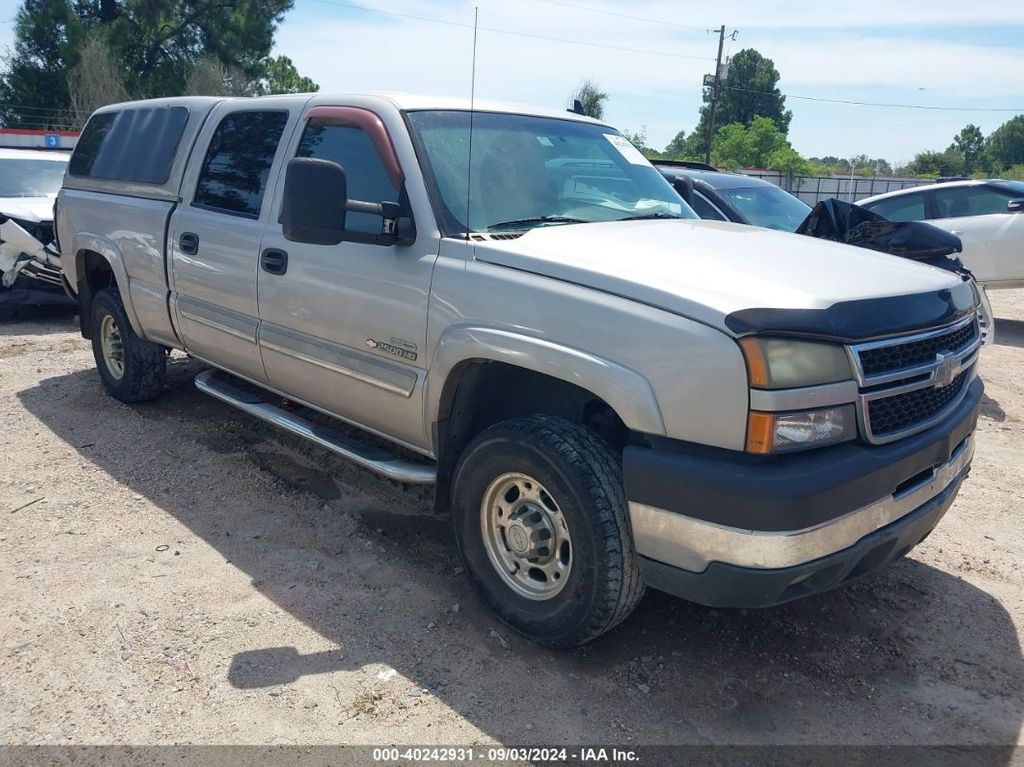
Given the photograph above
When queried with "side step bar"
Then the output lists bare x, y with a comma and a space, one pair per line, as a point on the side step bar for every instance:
252, 400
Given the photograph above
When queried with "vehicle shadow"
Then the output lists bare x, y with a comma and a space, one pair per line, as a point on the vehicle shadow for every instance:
912, 655
37, 320
1009, 333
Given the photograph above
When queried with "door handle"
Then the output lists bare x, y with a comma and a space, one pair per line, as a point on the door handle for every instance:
274, 261
188, 243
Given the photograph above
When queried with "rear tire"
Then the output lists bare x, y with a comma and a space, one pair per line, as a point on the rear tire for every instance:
132, 370
541, 522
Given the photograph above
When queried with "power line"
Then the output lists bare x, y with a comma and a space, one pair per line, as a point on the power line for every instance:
876, 103
44, 110
512, 32
659, 22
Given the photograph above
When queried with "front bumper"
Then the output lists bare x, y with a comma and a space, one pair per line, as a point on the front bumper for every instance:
732, 530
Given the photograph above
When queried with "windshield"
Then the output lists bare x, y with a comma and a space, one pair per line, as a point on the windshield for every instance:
1015, 187
537, 171
31, 178
767, 206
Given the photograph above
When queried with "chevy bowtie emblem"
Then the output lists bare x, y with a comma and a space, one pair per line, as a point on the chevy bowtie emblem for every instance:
946, 369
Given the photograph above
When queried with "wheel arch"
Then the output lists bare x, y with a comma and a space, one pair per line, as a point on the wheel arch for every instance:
480, 376
98, 264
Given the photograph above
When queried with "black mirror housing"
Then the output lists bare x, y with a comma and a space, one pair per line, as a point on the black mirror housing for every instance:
684, 188
315, 197
1015, 206
316, 201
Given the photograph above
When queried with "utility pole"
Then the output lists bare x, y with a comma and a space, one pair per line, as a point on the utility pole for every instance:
715, 89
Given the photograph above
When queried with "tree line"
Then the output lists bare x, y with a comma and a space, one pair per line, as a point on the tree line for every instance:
71, 56
755, 124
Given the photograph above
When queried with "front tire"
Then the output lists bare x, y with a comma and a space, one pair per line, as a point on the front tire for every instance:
132, 370
541, 522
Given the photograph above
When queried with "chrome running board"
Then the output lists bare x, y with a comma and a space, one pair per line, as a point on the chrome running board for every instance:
255, 401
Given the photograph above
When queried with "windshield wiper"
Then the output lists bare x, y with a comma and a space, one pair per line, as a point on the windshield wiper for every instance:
538, 220
645, 216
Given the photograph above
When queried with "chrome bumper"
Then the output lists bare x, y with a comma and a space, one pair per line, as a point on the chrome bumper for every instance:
692, 544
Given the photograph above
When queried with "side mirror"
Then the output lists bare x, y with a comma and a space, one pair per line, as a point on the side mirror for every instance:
316, 201
315, 194
684, 188
1015, 206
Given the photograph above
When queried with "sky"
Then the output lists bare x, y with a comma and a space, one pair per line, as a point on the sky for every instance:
966, 57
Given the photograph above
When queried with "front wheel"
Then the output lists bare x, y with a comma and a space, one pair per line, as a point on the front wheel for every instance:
541, 523
132, 370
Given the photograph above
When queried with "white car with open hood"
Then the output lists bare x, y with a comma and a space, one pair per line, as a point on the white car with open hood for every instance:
986, 214
606, 392
29, 264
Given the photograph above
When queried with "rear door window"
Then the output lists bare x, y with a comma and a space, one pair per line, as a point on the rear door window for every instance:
134, 145
956, 201
905, 207
234, 173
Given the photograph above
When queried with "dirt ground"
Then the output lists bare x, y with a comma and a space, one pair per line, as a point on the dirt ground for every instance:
177, 572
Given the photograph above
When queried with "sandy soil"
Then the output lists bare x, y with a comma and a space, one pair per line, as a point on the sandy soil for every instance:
178, 572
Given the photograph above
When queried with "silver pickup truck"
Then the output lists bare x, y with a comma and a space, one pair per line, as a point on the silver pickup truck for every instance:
606, 392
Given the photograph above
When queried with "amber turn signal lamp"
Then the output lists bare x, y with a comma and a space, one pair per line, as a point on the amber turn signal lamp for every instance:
760, 432
757, 365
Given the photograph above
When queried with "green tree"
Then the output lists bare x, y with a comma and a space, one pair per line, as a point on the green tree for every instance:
1005, 145
969, 143
593, 99
683, 147
48, 36
861, 163
678, 147
788, 161
739, 146
749, 89
155, 43
282, 77
948, 163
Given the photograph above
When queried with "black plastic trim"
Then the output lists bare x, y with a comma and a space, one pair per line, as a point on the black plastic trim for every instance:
788, 492
851, 321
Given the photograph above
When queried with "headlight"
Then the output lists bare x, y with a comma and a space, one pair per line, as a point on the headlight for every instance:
781, 432
783, 363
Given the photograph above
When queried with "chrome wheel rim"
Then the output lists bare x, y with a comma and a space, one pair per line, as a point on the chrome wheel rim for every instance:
112, 347
526, 537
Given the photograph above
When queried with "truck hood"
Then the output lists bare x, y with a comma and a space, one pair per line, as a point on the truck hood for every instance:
34, 209
707, 270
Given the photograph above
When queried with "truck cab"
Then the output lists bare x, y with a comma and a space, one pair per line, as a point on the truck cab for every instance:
606, 392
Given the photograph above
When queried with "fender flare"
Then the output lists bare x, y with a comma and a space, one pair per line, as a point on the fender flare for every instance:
108, 250
627, 392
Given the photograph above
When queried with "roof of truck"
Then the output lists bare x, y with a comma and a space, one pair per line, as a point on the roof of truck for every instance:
403, 101
413, 101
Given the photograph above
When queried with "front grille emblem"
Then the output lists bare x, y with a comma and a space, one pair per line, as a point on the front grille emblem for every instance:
946, 369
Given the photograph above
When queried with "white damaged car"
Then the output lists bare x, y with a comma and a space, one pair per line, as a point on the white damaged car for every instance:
30, 271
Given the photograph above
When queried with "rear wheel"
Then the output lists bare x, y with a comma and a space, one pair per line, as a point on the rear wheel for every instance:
132, 370
541, 522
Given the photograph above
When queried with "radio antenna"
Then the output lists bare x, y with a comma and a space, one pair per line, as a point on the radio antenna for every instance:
472, 104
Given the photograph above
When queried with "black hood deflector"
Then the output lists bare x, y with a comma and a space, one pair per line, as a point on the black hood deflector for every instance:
850, 321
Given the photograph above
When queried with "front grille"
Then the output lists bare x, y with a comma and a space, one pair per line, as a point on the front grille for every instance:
887, 359
891, 415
